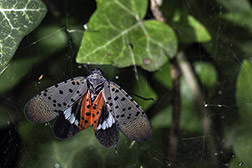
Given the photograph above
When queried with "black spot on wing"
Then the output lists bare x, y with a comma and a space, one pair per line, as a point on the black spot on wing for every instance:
61, 96
94, 107
129, 116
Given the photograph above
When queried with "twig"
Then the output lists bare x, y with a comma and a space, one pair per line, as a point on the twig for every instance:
156, 12
176, 101
197, 94
196, 91
176, 110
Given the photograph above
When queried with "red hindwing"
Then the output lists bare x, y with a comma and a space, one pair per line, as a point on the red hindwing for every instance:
90, 112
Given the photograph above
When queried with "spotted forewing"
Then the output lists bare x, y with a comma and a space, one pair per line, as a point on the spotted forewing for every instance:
54, 100
80, 102
131, 119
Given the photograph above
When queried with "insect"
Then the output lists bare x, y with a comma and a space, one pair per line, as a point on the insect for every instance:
81, 102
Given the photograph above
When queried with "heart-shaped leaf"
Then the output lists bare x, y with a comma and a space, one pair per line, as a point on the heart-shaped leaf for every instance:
118, 35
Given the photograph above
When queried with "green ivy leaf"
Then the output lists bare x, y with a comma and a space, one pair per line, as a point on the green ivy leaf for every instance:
243, 141
206, 73
18, 18
118, 35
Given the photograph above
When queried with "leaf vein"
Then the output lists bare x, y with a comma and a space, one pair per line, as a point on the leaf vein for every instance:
113, 39
127, 9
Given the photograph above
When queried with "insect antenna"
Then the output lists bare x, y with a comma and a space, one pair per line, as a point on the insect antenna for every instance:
87, 68
144, 98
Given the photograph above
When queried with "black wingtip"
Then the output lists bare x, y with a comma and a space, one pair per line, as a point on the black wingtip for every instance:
109, 137
63, 129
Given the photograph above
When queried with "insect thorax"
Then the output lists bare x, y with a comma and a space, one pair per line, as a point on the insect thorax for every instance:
95, 83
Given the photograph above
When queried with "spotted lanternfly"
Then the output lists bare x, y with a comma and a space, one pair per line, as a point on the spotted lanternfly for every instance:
80, 102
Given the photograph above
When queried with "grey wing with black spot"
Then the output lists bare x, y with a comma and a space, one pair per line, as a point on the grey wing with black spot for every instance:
54, 100
132, 120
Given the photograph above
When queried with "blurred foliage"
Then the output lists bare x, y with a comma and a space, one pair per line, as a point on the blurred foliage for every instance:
62, 153
15, 72
135, 51
243, 140
189, 113
188, 28
242, 18
7, 116
206, 73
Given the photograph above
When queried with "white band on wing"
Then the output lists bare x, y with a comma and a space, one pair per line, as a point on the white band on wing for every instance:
107, 123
